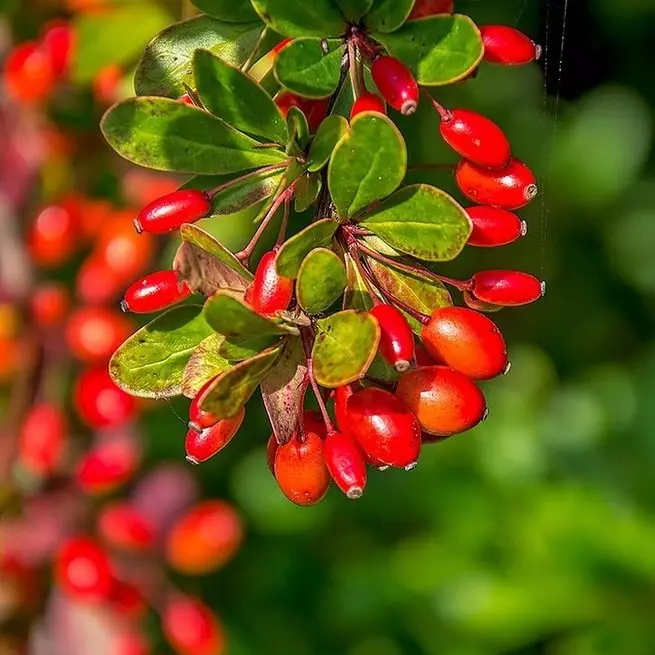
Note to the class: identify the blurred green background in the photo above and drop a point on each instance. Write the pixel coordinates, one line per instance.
(535, 533)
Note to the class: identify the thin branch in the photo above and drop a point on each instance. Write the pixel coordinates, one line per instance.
(308, 345)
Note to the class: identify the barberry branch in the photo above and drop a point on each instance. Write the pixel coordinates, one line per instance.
(307, 336)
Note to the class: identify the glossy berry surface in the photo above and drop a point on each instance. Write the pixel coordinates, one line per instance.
(507, 45)
(385, 429)
(122, 526)
(475, 138)
(83, 570)
(396, 337)
(493, 226)
(445, 401)
(204, 539)
(507, 288)
(300, 470)
(99, 402)
(168, 213)
(199, 418)
(204, 444)
(346, 463)
(467, 341)
(511, 187)
(42, 439)
(396, 84)
(271, 292)
(368, 102)
(191, 628)
(94, 333)
(423, 8)
(341, 396)
(155, 292)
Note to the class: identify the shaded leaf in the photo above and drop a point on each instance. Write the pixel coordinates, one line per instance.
(356, 296)
(233, 388)
(151, 363)
(307, 191)
(311, 18)
(310, 67)
(439, 50)
(369, 163)
(167, 63)
(232, 11)
(388, 15)
(236, 98)
(345, 346)
(283, 390)
(298, 127)
(329, 133)
(167, 135)
(321, 281)
(237, 349)
(204, 364)
(295, 249)
(422, 221)
(353, 10)
(380, 371)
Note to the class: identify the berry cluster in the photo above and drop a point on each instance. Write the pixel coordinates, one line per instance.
(399, 366)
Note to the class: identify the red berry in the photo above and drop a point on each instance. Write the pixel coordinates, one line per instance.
(204, 539)
(493, 226)
(506, 45)
(127, 601)
(271, 451)
(475, 137)
(511, 187)
(49, 305)
(300, 470)
(346, 464)
(106, 84)
(203, 445)
(97, 283)
(368, 102)
(58, 43)
(467, 341)
(155, 292)
(423, 358)
(445, 401)
(396, 337)
(247, 294)
(507, 288)
(315, 110)
(131, 642)
(28, 73)
(312, 421)
(199, 418)
(168, 213)
(83, 570)
(341, 397)
(396, 84)
(271, 292)
(54, 236)
(94, 333)
(125, 253)
(121, 526)
(42, 439)
(424, 8)
(99, 402)
(191, 628)
(108, 465)
(385, 429)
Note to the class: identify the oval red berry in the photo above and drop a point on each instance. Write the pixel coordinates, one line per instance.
(493, 226)
(507, 288)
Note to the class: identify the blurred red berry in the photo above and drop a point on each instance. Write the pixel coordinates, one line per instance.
(42, 439)
(49, 304)
(191, 628)
(108, 465)
(99, 402)
(54, 237)
(94, 333)
(58, 43)
(83, 570)
(29, 74)
(122, 526)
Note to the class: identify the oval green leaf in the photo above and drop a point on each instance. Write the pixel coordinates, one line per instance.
(232, 389)
(421, 221)
(231, 11)
(305, 68)
(298, 129)
(345, 346)
(321, 281)
(236, 98)
(295, 249)
(388, 15)
(439, 50)
(329, 133)
(204, 364)
(353, 10)
(307, 191)
(238, 349)
(302, 18)
(167, 135)
(151, 363)
(167, 63)
(368, 164)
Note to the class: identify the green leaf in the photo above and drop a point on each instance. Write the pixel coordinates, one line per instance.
(236, 98)
(232, 11)
(304, 67)
(439, 50)
(421, 221)
(231, 317)
(170, 136)
(167, 63)
(238, 349)
(353, 10)
(307, 191)
(295, 249)
(232, 389)
(330, 132)
(345, 346)
(302, 17)
(283, 390)
(298, 128)
(204, 364)
(368, 164)
(151, 363)
(356, 296)
(388, 15)
(321, 280)
(379, 370)
(115, 36)
(207, 265)
(419, 292)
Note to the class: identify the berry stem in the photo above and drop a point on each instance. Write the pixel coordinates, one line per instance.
(445, 114)
(373, 291)
(308, 344)
(282, 234)
(355, 65)
(193, 95)
(244, 178)
(248, 63)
